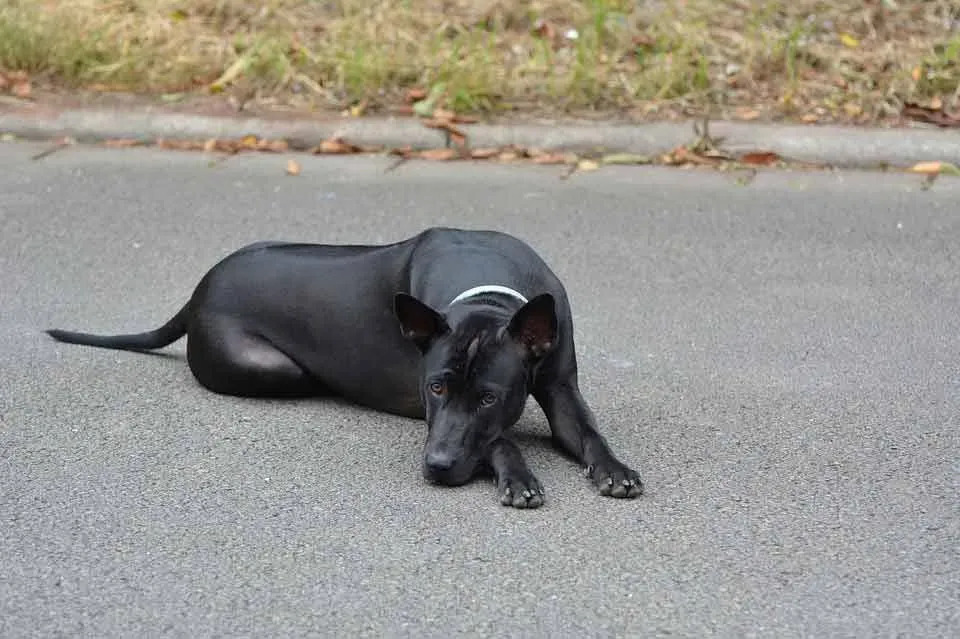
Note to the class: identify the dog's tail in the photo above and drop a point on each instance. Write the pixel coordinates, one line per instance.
(166, 334)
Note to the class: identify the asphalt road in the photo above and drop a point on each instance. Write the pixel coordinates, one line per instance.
(781, 361)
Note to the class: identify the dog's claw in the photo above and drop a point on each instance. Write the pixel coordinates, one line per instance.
(522, 493)
(616, 480)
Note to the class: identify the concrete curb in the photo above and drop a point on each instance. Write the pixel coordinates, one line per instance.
(826, 144)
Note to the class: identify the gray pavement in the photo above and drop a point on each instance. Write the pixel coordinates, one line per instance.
(781, 360)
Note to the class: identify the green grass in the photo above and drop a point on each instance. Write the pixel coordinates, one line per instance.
(842, 59)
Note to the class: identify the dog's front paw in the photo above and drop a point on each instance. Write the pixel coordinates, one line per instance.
(521, 491)
(614, 479)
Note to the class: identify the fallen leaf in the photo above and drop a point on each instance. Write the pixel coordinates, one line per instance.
(273, 146)
(935, 168)
(553, 158)
(403, 151)
(122, 143)
(587, 165)
(336, 145)
(544, 29)
(21, 89)
(760, 158)
(915, 73)
(682, 155)
(626, 158)
(249, 142)
(748, 114)
(457, 136)
(210, 145)
(484, 153)
(293, 167)
(415, 94)
(440, 155)
(849, 41)
(927, 114)
(180, 145)
(810, 118)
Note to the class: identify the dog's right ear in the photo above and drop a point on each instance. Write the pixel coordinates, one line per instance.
(418, 322)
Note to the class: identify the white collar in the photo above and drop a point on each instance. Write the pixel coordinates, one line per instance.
(488, 288)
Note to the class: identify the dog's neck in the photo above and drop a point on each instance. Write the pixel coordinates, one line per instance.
(476, 291)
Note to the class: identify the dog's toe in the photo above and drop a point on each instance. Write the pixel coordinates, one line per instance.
(617, 480)
(520, 494)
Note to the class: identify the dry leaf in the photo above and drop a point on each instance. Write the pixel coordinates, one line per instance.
(336, 145)
(210, 145)
(415, 94)
(760, 158)
(122, 143)
(180, 145)
(748, 114)
(930, 115)
(293, 167)
(403, 151)
(682, 155)
(483, 154)
(810, 118)
(626, 158)
(849, 41)
(587, 165)
(440, 155)
(274, 146)
(935, 168)
(21, 89)
(249, 142)
(544, 29)
(456, 135)
(552, 158)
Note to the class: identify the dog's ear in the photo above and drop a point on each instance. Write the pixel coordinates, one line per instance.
(534, 326)
(418, 322)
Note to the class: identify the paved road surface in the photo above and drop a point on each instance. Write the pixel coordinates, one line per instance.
(781, 360)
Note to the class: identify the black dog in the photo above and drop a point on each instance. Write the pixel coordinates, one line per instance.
(276, 319)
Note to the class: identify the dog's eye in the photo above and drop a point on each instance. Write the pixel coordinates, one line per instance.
(488, 399)
(437, 388)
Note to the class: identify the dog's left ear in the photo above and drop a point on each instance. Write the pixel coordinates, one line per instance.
(418, 322)
(534, 326)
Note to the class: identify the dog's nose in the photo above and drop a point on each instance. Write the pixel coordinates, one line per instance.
(438, 462)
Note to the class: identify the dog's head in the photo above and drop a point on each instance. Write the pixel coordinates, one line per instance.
(475, 371)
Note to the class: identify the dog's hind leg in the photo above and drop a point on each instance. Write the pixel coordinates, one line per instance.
(226, 358)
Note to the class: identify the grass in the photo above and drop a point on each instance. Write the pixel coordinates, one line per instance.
(846, 59)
